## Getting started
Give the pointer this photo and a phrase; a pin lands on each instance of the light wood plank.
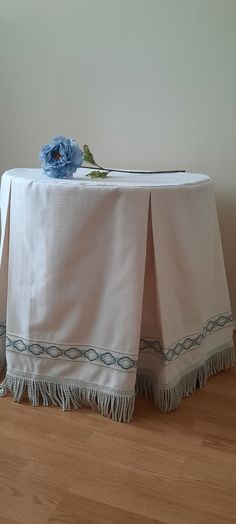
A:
(79, 467)
(75, 509)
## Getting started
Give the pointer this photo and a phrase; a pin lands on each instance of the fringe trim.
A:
(118, 407)
(168, 398)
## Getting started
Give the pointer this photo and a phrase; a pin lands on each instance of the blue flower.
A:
(61, 157)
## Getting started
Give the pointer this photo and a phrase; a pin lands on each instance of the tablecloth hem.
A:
(169, 397)
(118, 407)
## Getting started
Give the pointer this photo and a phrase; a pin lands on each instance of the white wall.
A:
(147, 83)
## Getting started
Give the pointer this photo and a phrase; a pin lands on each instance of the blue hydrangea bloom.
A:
(61, 157)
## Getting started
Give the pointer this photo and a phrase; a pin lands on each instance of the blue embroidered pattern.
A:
(124, 363)
(188, 343)
(72, 353)
(2, 330)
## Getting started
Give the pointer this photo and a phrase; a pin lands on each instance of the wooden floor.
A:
(78, 467)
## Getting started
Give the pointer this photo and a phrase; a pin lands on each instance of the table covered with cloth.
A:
(111, 288)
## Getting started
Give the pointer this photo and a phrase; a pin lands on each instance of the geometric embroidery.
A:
(54, 351)
(20, 345)
(2, 329)
(72, 353)
(8, 342)
(108, 359)
(125, 362)
(91, 354)
(36, 349)
(185, 344)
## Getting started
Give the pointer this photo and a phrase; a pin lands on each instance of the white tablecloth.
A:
(110, 287)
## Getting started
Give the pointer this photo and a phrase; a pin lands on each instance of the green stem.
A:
(108, 170)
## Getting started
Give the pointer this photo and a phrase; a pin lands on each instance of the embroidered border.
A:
(90, 354)
(2, 330)
(107, 358)
(187, 343)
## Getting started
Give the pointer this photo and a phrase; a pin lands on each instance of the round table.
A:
(110, 288)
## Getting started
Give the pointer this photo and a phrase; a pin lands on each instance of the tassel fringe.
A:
(168, 398)
(118, 407)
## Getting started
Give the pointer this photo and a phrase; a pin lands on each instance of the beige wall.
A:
(147, 83)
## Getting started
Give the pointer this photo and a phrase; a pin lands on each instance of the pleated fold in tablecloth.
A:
(109, 290)
(186, 332)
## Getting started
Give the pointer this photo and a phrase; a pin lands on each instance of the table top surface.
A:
(115, 178)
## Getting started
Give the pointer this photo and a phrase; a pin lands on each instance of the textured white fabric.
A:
(79, 288)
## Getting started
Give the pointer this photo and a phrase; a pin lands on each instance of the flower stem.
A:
(135, 172)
